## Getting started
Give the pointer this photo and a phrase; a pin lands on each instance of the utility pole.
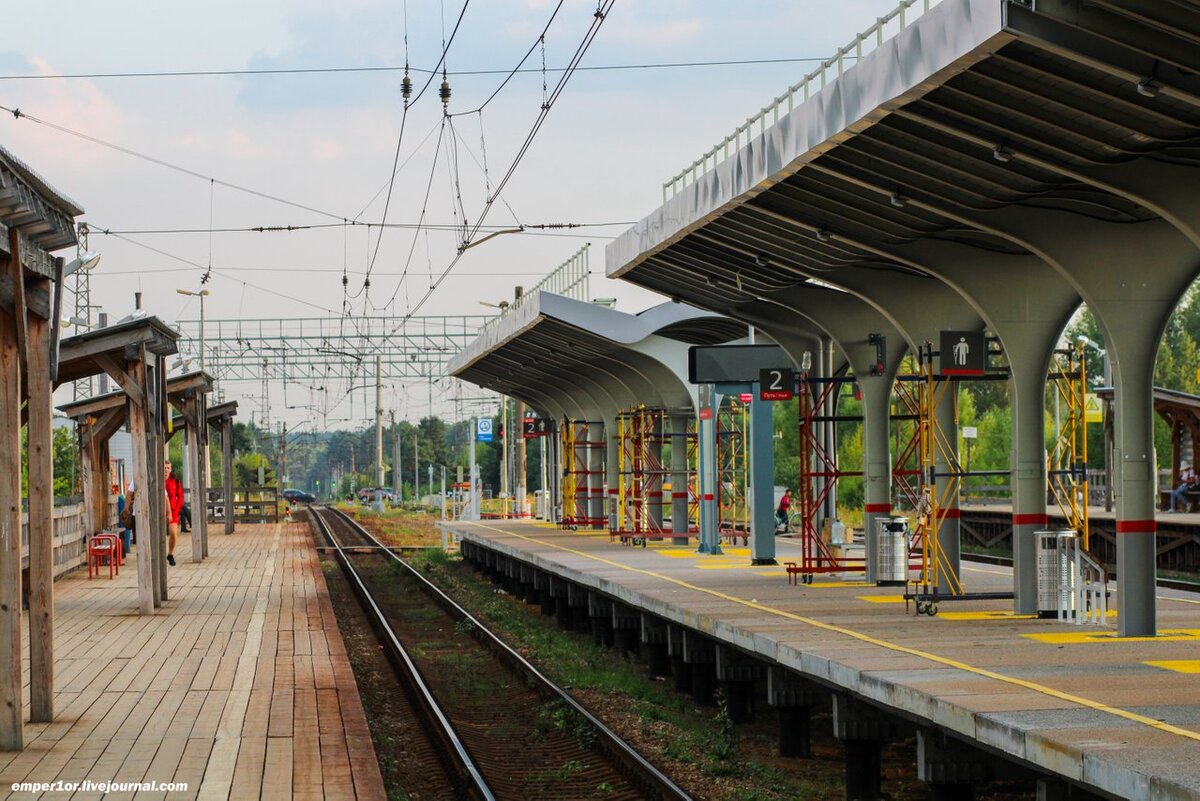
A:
(378, 433)
(283, 469)
(473, 502)
(519, 466)
(397, 485)
(505, 427)
(416, 466)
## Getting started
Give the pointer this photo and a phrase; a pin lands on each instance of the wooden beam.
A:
(109, 423)
(142, 495)
(38, 300)
(41, 522)
(123, 379)
(56, 318)
(12, 735)
(17, 273)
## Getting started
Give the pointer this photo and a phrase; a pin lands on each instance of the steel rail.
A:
(458, 762)
(637, 767)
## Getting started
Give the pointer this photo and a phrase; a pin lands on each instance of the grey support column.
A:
(762, 486)
(877, 463)
(710, 401)
(680, 524)
(1028, 480)
(1133, 374)
(949, 528)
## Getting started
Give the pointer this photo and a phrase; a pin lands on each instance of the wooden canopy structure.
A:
(1180, 411)
(221, 417)
(34, 221)
(134, 354)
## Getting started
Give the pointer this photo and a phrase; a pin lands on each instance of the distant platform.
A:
(1122, 715)
(239, 686)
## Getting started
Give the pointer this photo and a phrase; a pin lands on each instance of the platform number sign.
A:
(483, 430)
(536, 427)
(963, 352)
(776, 384)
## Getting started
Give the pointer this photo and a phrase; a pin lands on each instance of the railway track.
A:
(502, 729)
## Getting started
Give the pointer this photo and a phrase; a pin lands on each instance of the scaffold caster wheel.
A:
(808, 578)
(931, 609)
(574, 528)
(921, 606)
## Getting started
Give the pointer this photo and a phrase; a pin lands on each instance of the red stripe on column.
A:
(612, 492)
(951, 514)
(1137, 526)
(679, 494)
(1029, 520)
(878, 507)
(708, 496)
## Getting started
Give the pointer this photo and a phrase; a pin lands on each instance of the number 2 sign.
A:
(776, 384)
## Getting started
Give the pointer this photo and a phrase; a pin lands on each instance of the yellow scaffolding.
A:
(640, 473)
(1066, 461)
(733, 475)
(577, 492)
(937, 575)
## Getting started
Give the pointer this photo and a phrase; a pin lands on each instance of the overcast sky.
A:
(327, 141)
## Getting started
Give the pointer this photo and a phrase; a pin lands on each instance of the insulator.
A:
(444, 92)
(406, 87)
(345, 280)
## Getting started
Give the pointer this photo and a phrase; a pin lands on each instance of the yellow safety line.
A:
(903, 649)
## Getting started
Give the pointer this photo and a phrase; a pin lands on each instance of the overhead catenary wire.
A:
(398, 68)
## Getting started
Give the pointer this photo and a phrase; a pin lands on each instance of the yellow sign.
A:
(1093, 412)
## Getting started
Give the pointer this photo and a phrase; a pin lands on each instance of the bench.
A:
(1191, 500)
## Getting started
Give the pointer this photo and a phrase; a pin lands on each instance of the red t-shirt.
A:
(174, 498)
(785, 503)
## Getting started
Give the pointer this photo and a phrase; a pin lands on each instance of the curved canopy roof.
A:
(570, 358)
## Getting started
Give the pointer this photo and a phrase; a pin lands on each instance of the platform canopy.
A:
(569, 358)
(992, 164)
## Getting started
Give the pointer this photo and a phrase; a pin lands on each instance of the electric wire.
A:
(456, 73)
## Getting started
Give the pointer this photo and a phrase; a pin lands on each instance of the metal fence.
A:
(885, 27)
(569, 279)
(250, 505)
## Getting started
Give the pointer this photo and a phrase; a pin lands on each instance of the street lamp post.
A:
(202, 294)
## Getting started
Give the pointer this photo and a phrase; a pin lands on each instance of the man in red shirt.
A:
(174, 503)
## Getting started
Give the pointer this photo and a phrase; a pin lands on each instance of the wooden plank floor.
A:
(239, 687)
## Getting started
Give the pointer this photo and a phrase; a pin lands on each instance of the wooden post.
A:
(227, 471)
(41, 523)
(12, 735)
(200, 504)
(155, 414)
(86, 429)
(191, 408)
(143, 507)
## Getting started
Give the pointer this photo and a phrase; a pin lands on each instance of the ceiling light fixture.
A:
(1148, 87)
(823, 234)
(1002, 154)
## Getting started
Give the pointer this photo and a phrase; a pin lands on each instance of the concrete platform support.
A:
(862, 731)
(654, 643)
(949, 766)
(577, 600)
(600, 613)
(949, 530)
(680, 669)
(877, 464)
(562, 609)
(736, 673)
(699, 653)
(679, 479)
(1028, 480)
(626, 627)
(794, 699)
(541, 582)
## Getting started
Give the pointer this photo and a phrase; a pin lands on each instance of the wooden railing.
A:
(70, 546)
(250, 504)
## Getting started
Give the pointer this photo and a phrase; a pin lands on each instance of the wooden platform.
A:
(239, 686)
(1122, 715)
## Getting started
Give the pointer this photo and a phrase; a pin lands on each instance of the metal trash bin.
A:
(1052, 573)
(892, 549)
